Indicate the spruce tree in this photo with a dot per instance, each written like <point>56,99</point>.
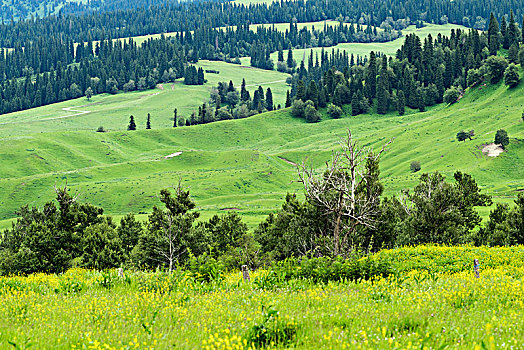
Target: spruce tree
<point>355,105</point>
<point>493,35</point>
<point>148,122</point>
<point>290,61</point>
<point>269,99</point>
<point>371,77</point>
<point>312,93</point>
<point>132,125</point>
<point>382,93</point>
<point>401,103</point>
<point>301,91</point>
<point>244,94</point>
<point>504,33</point>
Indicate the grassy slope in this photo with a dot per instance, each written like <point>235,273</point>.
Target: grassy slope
<point>112,111</point>
<point>363,49</point>
<point>236,164</point>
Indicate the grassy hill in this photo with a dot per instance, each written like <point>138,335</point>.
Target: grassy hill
<point>241,164</point>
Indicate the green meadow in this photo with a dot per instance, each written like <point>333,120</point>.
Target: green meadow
<point>244,164</point>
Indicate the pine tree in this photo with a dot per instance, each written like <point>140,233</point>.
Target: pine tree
<point>175,118</point>
<point>244,94</point>
<point>148,122</point>
<point>493,35</point>
<point>355,105</point>
<point>513,30</point>
<point>371,77</point>
<point>269,99</point>
<point>401,103</point>
<point>504,33</point>
<point>290,61</point>
<point>382,93</point>
<point>132,125</point>
<point>312,93</point>
<point>301,91</point>
<point>200,76</point>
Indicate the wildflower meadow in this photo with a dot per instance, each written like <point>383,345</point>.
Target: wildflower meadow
<point>427,298</point>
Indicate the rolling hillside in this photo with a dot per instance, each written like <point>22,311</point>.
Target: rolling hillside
<point>245,164</point>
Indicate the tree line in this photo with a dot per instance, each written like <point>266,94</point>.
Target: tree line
<point>149,17</point>
<point>423,73</point>
<point>110,66</point>
<point>335,220</point>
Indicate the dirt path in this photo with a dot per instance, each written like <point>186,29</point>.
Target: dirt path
<point>269,82</point>
<point>287,161</point>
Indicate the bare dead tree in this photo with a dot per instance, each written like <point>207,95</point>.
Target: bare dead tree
<point>336,191</point>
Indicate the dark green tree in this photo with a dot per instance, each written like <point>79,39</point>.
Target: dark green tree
<point>501,138</point>
<point>132,125</point>
<point>493,35</point>
<point>269,99</point>
<point>148,122</point>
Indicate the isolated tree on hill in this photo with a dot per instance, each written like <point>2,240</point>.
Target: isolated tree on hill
<point>511,76</point>
<point>346,193</point>
<point>89,93</point>
<point>132,125</point>
<point>269,99</point>
<point>148,122</point>
<point>462,135</point>
<point>501,138</point>
<point>174,118</point>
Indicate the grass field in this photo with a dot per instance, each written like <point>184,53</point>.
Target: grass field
<point>415,309</point>
<point>238,164</point>
<point>112,111</point>
<point>363,49</point>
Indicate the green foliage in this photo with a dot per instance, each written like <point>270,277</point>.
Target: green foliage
<point>48,239</point>
<point>451,95</point>
<point>334,111</point>
<point>415,166</point>
<point>439,212</point>
<point>102,248</point>
<point>271,330</point>
<point>511,76</point>
<point>496,66</point>
<point>501,138</point>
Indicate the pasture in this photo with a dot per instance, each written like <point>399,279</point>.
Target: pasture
<point>245,164</point>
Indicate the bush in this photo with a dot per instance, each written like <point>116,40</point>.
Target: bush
<point>327,269</point>
<point>311,114</point>
<point>496,66</point>
<point>511,76</point>
<point>415,166</point>
<point>100,129</point>
<point>451,95</point>
<point>334,111</point>
<point>297,109</point>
